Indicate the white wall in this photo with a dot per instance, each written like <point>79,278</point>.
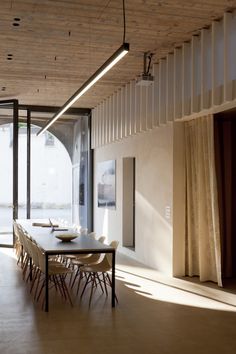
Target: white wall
<point>153,151</point>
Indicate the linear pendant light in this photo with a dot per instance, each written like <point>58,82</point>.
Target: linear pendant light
<point>118,55</point>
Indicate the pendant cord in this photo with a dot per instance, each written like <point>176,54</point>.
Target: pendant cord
<point>124,21</point>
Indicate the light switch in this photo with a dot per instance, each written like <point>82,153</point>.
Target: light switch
<point>167,212</point>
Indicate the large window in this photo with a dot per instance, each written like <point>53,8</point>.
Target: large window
<point>51,178</point>
<point>60,174</point>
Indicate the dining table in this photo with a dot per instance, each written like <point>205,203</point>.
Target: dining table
<point>45,233</point>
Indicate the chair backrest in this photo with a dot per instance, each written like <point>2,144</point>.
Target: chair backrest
<point>33,252</point>
<point>23,239</point>
<point>101,239</point>
<point>94,258</point>
<point>41,259</point>
<point>76,228</point>
<point>16,231</point>
<point>92,234</point>
<point>83,231</point>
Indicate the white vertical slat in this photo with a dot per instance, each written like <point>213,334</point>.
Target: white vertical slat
<point>162,91</point>
<point>111,135</point>
<point>102,123</point>
<point>195,74</point>
<point>132,107</point>
<point>170,88</point>
<point>127,108</point>
<point>206,68</point>
<point>99,125</point>
<point>114,117</point>
<point>123,112</point>
<point>217,62</point>
<point>228,93</point>
<point>107,110</point>
<point>178,82</point>
<point>143,109</point>
<point>106,121</point>
<point>149,106</point>
<point>119,116</point>
<point>94,112</point>
<point>109,119</point>
<point>96,126</point>
<point>186,83</point>
<point>229,56</point>
<point>137,109</point>
<point>92,127</point>
<point>155,95</point>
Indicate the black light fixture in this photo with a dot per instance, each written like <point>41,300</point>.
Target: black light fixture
<point>117,56</point>
<point>120,53</point>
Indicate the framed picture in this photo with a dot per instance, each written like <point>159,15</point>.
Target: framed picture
<point>106,184</point>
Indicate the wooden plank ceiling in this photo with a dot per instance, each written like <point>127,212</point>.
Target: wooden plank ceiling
<point>48,48</point>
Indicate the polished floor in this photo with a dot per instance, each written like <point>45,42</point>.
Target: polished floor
<point>155,315</point>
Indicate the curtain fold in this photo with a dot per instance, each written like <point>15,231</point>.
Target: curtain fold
<point>203,249</point>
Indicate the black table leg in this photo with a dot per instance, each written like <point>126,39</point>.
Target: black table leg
<point>113,288</point>
<point>46,282</point>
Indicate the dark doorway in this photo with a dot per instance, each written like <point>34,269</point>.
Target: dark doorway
<point>225,152</point>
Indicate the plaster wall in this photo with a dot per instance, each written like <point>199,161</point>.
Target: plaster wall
<point>153,152</point>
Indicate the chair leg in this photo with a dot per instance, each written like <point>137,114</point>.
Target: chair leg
<point>82,275</point>
<point>40,291</point>
<point>66,291</point>
<point>92,286</point>
<point>37,286</point>
<point>87,281</point>
<point>62,283</point>
<point>75,276</point>
<point>71,276</point>
<point>25,266</point>
<point>105,284</point>
<point>99,281</point>
<point>36,271</point>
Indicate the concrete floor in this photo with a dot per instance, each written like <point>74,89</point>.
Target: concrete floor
<point>154,315</point>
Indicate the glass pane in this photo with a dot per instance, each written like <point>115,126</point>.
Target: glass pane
<point>51,178</point>
<point>6,180</point>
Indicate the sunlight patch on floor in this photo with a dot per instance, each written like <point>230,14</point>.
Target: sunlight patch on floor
<point>157,291</point>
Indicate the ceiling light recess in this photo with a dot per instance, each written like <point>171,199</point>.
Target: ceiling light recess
<point>117,56</point>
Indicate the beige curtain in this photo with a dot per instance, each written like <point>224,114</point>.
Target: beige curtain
<point>203,255</point>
